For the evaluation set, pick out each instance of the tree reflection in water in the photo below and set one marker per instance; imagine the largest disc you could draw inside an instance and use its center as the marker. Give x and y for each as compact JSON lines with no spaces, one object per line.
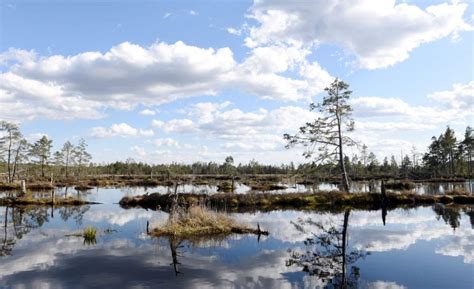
{"x":175,"y":244}
{"x":19,"y":221}
{"x":326,"y":256}
{"x":470,"y":212}
{"x":450,"y":214}
{"x":8,"y":242}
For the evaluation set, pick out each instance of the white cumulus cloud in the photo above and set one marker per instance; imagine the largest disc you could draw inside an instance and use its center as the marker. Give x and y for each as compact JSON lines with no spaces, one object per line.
{"x":379,"y":33}
{"x":148,"y":112}
{"x":83,"y":85}
{"x":460,"y":97}
{"x":120,"y":130}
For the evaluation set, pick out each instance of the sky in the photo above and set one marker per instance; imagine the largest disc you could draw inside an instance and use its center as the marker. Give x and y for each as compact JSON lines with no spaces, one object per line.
{"x":185,"y":81}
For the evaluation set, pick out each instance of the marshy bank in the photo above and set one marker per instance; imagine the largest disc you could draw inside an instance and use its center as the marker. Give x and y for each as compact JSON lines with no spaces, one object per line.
{"x":299,"y":201}
{"x":33,"y":186}
{"x":28,"y":199}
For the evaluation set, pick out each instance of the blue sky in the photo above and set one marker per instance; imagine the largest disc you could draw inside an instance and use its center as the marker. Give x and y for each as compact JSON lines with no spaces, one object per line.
{"x":163,"y":81}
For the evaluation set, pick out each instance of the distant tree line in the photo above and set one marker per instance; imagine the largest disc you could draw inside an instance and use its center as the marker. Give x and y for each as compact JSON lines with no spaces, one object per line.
{"x":18,"y":157}
{"x":131,"y":167}
{"x":448,"y":156}
{"x":445,"y":157}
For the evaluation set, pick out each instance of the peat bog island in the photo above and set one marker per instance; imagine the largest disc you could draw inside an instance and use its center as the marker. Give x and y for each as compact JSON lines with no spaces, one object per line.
{"x":236,"y":144}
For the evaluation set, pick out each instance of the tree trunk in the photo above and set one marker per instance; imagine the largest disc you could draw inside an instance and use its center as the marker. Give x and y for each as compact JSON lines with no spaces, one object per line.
{"x":451,"y":172}
{"x":42,"y":168}
{"x":342,"y":166}
{"x":67,"y":166}
{"x":23,"y":187}
{"x":15,"y":162}
{"x":469,"y":164}
{"x":9,"y":158}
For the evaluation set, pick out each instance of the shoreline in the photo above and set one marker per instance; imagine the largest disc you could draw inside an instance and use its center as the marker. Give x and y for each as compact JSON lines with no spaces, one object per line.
{"x":25,"y":201}
{"x":299,"y":201}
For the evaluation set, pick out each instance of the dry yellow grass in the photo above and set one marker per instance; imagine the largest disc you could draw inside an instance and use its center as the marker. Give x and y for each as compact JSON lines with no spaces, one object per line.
{"x":200,"y":221}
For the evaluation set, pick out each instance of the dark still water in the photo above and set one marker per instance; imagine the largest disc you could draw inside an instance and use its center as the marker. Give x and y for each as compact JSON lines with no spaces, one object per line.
{"x":429,"y":247}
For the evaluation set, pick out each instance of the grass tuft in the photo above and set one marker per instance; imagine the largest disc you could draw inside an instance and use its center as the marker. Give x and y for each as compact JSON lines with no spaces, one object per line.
{"x":198,"y":221}
{"x":89,"y":235}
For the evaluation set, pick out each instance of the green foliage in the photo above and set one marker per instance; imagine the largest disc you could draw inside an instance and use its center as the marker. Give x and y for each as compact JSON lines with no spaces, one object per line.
{"x":13,"y":148}
{"x":325,"y":135}
{"x":81,"y":157}
{"x":448,"y":157}
{"x":41,"y":152}
{"x":406,"y":165}
{"x":229,"y":165}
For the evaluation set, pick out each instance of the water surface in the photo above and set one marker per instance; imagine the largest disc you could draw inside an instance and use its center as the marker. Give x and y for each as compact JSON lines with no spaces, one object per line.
{"x":427,"y":247}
